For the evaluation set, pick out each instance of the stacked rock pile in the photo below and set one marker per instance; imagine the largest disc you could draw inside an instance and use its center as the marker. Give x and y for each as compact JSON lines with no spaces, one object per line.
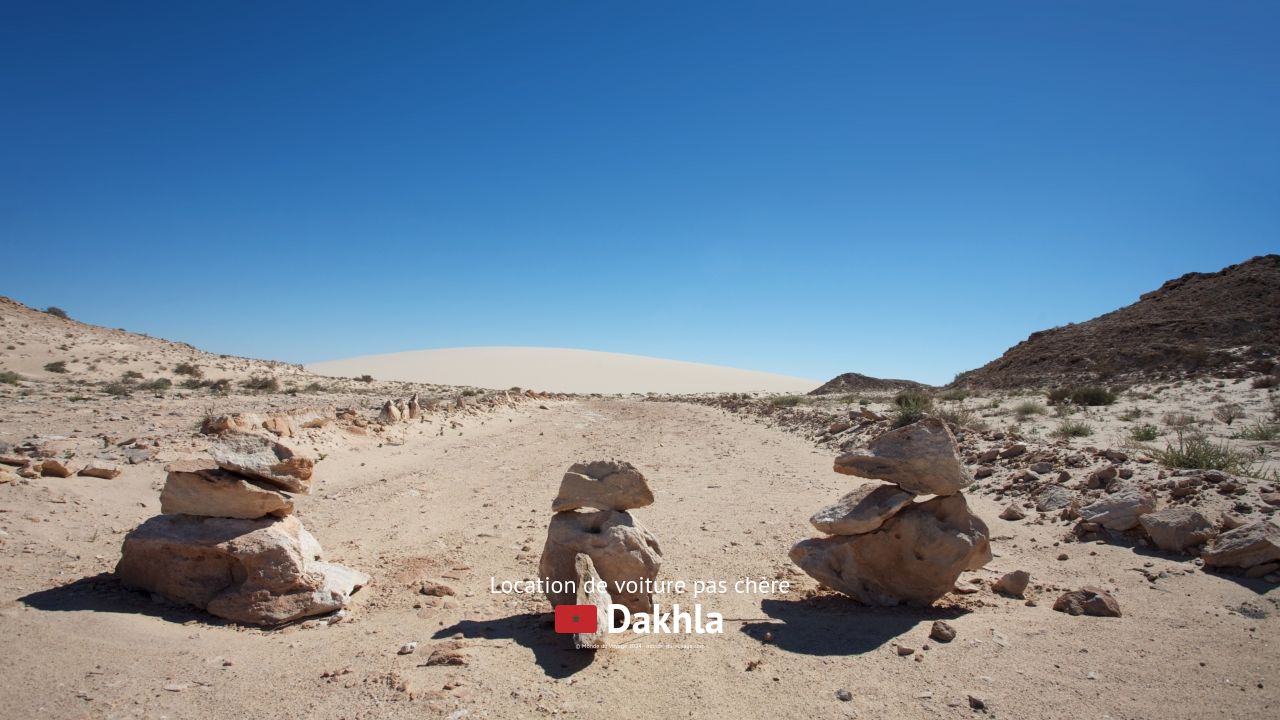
{"x":592,"y":536}
{"x":885,"y":545}
{"x":228,"y":542}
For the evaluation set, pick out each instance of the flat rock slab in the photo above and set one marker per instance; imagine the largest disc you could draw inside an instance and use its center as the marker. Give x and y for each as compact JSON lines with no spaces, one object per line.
{"x":200,"y":487}
{"x":1088,"y":601}
{"x":1177,"y":528}
{"x":258,"y":572}
{"x":1119,"y":511}
{"x":602,"y":485}
{"x":914,"y":558}
{"x":862,"y":510}
{"x":919,"y":458}
{"x":261,"y":457}
{"x":1257,"y":543}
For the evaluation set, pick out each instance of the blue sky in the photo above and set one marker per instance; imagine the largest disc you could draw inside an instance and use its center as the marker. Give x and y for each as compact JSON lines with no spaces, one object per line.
{"x":899,"y":189}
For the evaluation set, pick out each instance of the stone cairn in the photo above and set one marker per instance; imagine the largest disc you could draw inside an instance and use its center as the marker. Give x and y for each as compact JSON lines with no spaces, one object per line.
{"x":228,"y":542}
{"x":593,"y":537}
{"x":885,"y":547}
{"x":400,"y":410}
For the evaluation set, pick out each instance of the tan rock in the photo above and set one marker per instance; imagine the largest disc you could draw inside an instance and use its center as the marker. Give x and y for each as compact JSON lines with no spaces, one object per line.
{"x":415,"y":407}
{"x":919,"y":458}
{"x":200,"y":487}
{"x":914,"y":558}
{"x":1120,"y":510}
{"x":619,"y":547}
{"x":219,"y":424}
{"x":53,"y":467}
{"x":265,"y":459}
{"x":14,"y":460}
{"x":1088,"y":601}
{"x":278,"y":425}
{"x":603,"y":485}
{"x":1175,"y":529}
{"x":590,"y":592}
{"x":390,"y":413}
{"x":1013,"y":583}
{"x":259,"y":572}
{"x":862,"y":510}
{"x":1256,"y":543}
{"x":6,"y":476}
{"x":100,"y":469}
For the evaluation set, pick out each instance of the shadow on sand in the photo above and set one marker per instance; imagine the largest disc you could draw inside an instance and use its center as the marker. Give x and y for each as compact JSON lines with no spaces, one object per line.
{"x":836,"y":625}
{"x":104,"y":593}
{"x":554,"y":653}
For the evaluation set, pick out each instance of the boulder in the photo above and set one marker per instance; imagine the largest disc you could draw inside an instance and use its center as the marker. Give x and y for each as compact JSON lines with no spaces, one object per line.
{"x":1052,"y":497}
{"x":1175,"y":529}
{"x":591,"y":593}
{"x":1255,"y":543}
{"x":259,"y":572}
{"x":862,"y":510}
{"x":603,"y":485}
{"x":919,"y":458}
{"x":390,"y":413}
{"x":278,"y":425}
{"x":914,"y":558}
{"x":200,"y":487}
{"x":1012,"y":512}
{"x":100,"y":469}
{"x":415,"y":407}
{"x":1088,"y":601}
{"x":619,"y":547}
{"x":261,"y":457}
{"x":1119,"y":511}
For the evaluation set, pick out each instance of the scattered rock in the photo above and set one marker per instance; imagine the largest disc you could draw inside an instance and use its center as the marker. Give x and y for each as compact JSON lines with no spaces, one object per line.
{"x":1013,"y":583}
{"x":1012,"y":512}
{"x":942,"y":631}
{"x":1119,"y":511}
{"x":435,"y":589}
{"x":1175,"y":529}
{"x":1244,"y":547}
{"x":100,"y":469}
{"x":447,"y":653}
{"x":1088,"y":601}
{"x":53,"y":467}
{"x":200,"y":487}
{"x":408,"y":648}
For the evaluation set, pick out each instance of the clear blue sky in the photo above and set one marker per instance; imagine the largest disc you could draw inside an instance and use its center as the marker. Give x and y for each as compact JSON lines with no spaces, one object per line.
{"x":899,"y":189}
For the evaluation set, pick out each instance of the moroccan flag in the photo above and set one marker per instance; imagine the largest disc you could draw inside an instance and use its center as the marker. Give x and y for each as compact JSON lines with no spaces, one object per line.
{"x":575,"y":618}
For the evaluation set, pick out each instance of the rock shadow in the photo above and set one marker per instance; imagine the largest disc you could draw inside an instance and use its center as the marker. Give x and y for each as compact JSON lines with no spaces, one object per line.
{"x":836,"y":625}
{"x":104,"y":593}
{"x":554,"y":653}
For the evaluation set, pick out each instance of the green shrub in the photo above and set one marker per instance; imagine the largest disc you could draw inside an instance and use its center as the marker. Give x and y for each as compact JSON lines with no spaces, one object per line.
{"x":157,"y":385}
{"x":188,"y":369}
{"x":786,"y":400}
{"x":1228,"y":413}
{"x":1194,"y":451}
{"x":57,"y":312}
{"x":1072,"y":429}
{"x":1145,"y":432}
{"x":9,"y":377}
{"x":963,"y":417}
{"x":954,"y":394}
{"x":58,"y":366}
{"x":261,"y":383}
{"x":1057,"y":396}
{"x":1092,"y":395}
{"x":911,"y":406}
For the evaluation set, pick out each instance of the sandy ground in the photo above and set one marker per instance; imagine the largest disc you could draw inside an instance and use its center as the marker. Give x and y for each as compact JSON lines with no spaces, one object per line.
{"x":560,"y":370}
{"x":472,"y":504}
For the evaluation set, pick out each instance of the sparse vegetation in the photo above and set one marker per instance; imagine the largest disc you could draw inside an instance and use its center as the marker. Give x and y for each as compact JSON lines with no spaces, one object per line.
{"x":1073,"y":429}
{"x":132,"y":375}
{"x":261,"y":383}
{"x":1058,"y":396}
{"x":911,"y":406}
{"x":118,"y":389}
{"x":954,"y":394}
{"x":1092,"y":395}
{"x":961,"y":416}
{"x":1131,"y":414}
{"x":9,"y":377}
{"x":158,"y":385}
{"x":365,"y":378}
{"x":57,"y":366}
{"x":1027,"y":408}
{"x":1265,"y":382}
{"x":1145,"y":432}
{"x":57,"y":312}
{"x":786,"y":400}
{"x":221,"y":386}
{"x":1179,"y":420}
{"x":188,"y":369}
{"x":1228,"y":413}
{"x":1194,"y":451}
{"x":1260,"y":430}
{"x":315,"y":387}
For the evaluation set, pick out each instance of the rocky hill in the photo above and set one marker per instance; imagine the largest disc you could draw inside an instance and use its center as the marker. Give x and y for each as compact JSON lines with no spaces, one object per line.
{"x":1225,"y":323}
{"x":856,"y":382}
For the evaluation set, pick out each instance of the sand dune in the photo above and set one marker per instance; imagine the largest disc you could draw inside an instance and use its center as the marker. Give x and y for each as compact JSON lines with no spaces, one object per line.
{"x":559,"y":370}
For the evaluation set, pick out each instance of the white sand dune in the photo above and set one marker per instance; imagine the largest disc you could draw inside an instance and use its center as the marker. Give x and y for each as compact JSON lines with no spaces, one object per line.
{"x":559,"y":370}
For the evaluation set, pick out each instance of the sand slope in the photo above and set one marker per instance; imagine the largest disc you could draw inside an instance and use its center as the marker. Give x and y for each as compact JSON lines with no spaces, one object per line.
{"x":559,"y":370}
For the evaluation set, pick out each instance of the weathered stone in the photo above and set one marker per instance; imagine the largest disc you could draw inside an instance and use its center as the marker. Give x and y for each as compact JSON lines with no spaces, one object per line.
{"x":260,"y":572}
{"x":619,"y":547}
{"x":1052,"y":497}
{"x":100,"y":469}
{"x":52,"y":467}
{"x":1248,"y":545}
{"x":1013,"y":583}
{"x":278,"y":425}
{"x":216,"y":425}
{"x":1088,"y":601}
{"x":942,"y":631}
{"x":919,"y":458}
{"x":862,"y":510}
{"x":1175,"y":529}
{"x":603,"y":485}
{"x":415,"y":407}
{"x":261,"y":457}
{"x":390,"y":413}
{"x":915,"y":557}
{"x":200,"y":487}
{"x":590,"y":592}
{"x":1012,"y":512}
{"x":1119,"y":511}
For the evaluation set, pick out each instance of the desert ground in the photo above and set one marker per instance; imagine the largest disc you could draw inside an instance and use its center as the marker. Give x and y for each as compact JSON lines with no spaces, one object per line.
{"x":461,"y":497}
